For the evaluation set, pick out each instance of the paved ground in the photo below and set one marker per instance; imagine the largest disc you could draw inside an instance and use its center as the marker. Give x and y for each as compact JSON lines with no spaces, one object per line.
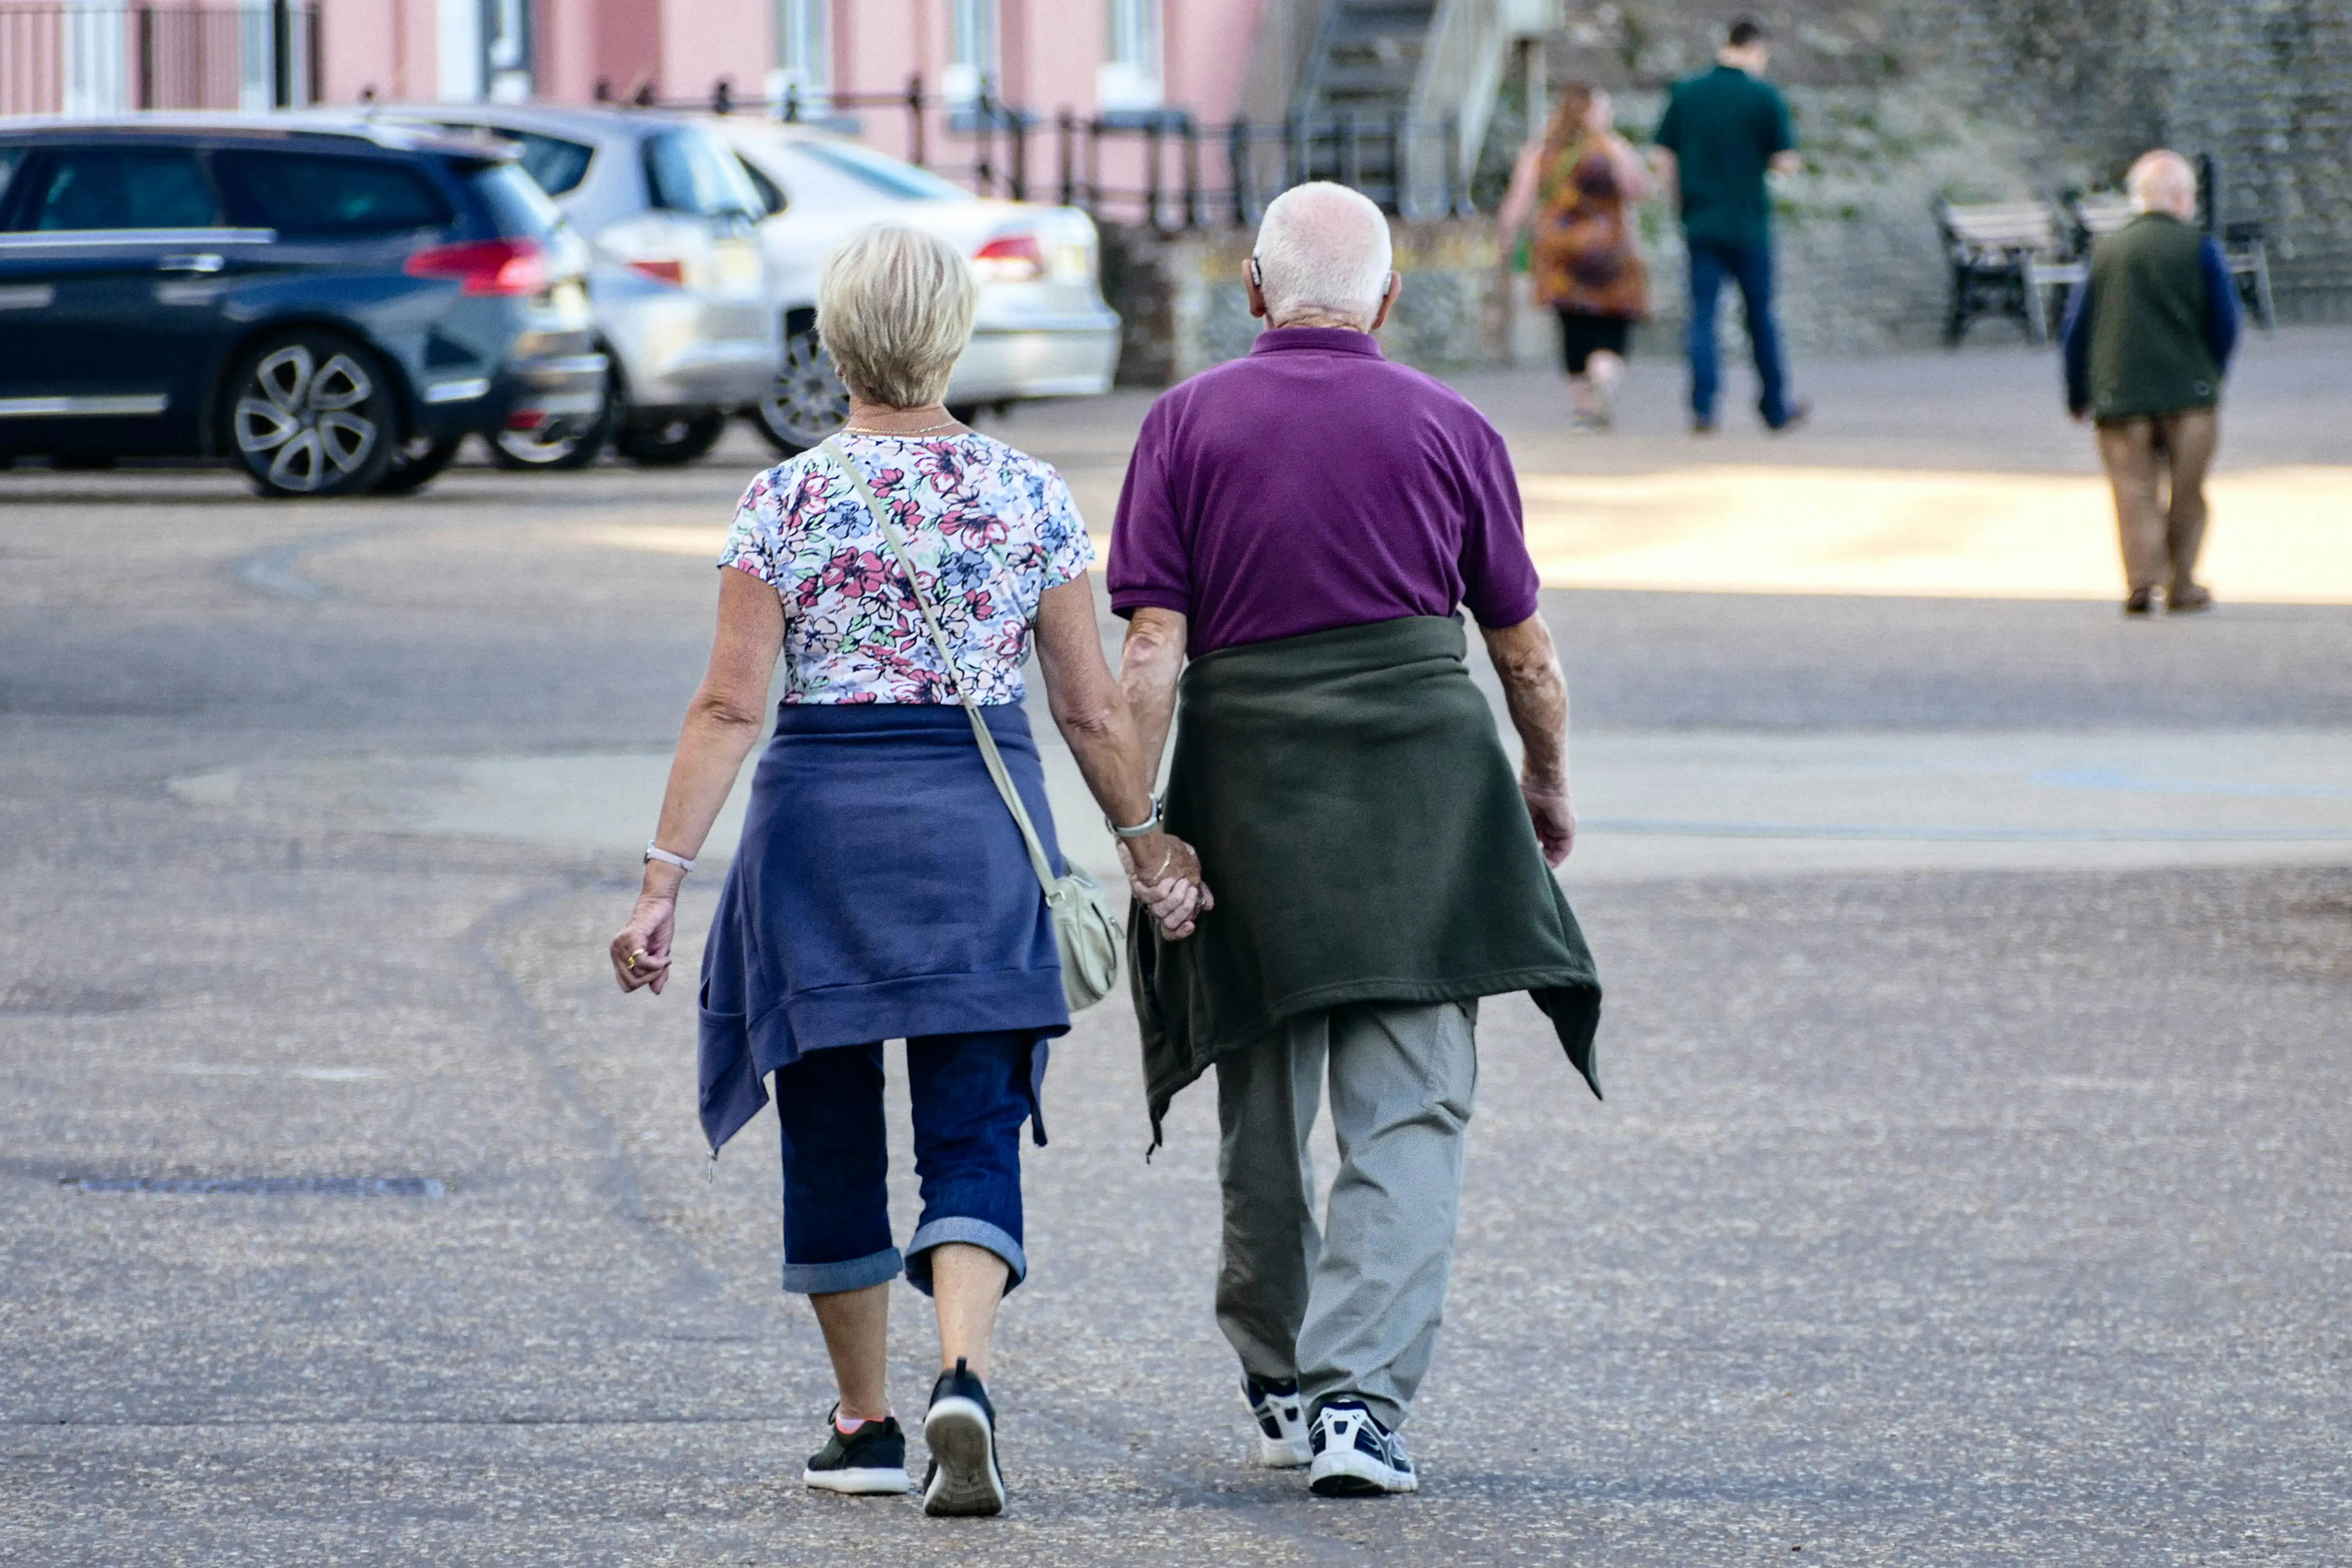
{"x":1945,"y":1210}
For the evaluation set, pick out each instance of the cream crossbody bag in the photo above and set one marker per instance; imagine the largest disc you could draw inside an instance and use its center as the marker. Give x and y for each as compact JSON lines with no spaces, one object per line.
{"x":1084,"y":928}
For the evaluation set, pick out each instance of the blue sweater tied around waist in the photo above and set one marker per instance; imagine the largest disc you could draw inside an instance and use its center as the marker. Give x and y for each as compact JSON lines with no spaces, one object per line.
{"x":881,"y":892}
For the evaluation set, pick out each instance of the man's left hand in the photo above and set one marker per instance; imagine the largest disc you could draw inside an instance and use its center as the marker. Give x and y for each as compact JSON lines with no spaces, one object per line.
{"x":1552,"y":809}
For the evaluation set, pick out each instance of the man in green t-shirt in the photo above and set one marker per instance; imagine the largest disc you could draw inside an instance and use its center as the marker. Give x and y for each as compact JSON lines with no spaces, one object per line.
{"x":1722,"y":131}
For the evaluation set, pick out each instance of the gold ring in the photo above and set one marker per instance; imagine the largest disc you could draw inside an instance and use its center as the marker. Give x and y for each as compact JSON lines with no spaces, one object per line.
{"x":634,"y":957}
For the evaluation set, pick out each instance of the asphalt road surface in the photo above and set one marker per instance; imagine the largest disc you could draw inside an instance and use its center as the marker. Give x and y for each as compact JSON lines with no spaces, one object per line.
{"x":1949,"y":1207}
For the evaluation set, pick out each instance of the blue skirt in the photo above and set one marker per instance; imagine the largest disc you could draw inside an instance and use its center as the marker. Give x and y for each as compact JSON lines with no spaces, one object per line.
{"x":881,"y":892}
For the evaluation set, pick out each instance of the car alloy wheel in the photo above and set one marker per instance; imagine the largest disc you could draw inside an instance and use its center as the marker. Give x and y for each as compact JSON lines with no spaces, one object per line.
{"x":572,"y":442}
{"x":415,"y":463}
{"x":808,"y":402}
{"x":666,"y":440}
{"x":311,"y":417}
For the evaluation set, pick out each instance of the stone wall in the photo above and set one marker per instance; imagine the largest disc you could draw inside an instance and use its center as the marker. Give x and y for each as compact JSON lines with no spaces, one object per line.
{"x":1185,"y":308}
{"x":1897,"y":102}
{"x":2263,"y":86}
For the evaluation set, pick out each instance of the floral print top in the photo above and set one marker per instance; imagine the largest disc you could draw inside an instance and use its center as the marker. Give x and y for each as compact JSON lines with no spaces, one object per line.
{"x":991,"y":530}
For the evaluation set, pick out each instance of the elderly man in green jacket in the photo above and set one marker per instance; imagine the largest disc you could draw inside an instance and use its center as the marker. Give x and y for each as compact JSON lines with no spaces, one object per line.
{"x":1307,"y":523}
{"x":2148,"y":341}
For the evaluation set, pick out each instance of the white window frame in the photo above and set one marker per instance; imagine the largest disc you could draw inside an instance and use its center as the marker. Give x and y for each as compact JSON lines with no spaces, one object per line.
{"x":1129,"y":78}
{"x":96,"y":45}
{"x":973,"y":38}
{"x":803,"y":55}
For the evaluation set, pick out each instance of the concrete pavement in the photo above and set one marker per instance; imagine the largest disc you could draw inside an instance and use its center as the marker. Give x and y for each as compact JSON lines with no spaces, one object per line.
{"x":1944,"y":1210}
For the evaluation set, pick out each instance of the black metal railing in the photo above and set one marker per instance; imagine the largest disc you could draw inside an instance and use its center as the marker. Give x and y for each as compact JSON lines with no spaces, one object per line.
{"x":1161,"y":169}
{"x":91,"y":59}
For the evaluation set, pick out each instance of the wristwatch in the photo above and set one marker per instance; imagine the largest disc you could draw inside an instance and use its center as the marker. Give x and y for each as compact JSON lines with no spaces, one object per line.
{"x":1144,"y":829}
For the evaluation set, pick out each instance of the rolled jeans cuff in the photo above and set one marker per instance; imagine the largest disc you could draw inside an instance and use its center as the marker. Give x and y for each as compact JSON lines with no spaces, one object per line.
{"x":852,"y":1274}
{"x":975,"y":1233}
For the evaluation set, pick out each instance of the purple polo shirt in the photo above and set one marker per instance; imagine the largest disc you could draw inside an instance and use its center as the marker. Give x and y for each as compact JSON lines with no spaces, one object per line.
{"x":1313,"y":485}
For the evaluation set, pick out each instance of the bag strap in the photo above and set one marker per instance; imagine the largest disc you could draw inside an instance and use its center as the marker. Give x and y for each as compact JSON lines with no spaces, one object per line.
{"x":989,"y":753}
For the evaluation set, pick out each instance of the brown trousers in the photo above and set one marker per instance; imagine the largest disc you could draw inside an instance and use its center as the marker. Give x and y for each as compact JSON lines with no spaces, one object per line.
{"x":2161,"y":534}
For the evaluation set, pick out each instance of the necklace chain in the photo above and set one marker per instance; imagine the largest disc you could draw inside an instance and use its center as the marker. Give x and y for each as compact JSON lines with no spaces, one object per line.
{"x":870,"y":430}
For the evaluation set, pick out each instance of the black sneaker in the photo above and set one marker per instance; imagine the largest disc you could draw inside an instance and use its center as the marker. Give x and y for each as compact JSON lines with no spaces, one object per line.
{"x":1355,"y":1456}
{"x":1281,"y":1422}
{"x":868,"y":1462}
{"x":961,"y":1432}
{"x":2142,"y":601}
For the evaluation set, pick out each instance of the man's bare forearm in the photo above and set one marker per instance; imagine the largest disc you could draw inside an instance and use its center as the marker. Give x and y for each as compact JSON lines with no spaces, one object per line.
{"x":1535,"y":691}
{"x":1148,"y":663}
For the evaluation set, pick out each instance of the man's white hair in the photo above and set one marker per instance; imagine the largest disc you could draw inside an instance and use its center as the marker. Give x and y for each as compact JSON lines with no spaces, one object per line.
{"x":2162,"y":180}
{"x":1322,"y":250}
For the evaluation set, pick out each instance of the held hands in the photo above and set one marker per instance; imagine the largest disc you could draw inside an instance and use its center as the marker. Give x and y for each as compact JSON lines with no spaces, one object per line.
{"x":1553,"y":811}
{"x":640,"y":954}
{"x":1164,"y":875}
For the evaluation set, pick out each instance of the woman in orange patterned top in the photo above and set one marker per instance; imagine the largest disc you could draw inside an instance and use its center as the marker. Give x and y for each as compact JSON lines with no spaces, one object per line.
{"x":1578,"y":185}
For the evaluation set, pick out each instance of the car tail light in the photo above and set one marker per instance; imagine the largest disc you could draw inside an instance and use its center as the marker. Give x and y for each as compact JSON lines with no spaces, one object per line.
{"x":486,"y":266}
{"x":664,"y":270}
{"x":1009,"y":258}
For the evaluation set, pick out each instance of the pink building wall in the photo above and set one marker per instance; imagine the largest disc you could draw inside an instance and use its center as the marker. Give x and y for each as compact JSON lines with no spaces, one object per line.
{"x":1050,"y":51}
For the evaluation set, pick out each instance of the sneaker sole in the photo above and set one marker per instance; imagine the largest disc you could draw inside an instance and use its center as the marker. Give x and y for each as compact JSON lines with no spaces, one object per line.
{"x":1351,"y":1474}
{"x":870,"y":1482}
{"x":1276,"y":1455}
{"x":962,"y":1441}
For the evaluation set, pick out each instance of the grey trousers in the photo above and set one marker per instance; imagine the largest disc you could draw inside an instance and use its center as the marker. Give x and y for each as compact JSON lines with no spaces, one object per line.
{"x":1350,"y":1310}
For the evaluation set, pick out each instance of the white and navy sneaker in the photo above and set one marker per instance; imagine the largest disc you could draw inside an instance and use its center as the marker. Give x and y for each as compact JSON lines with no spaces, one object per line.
{"x":868,"y":1462}
{"x":1355,"y":1456}
{"x":1281,"y":1422}
{"x":961,"y":1432}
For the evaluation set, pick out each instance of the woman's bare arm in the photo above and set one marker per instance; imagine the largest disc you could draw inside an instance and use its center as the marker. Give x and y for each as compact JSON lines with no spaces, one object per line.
{"x":1519,"y":200}
{"x":1632,"y":179}
{"x":1092,"y":712}
{"x":722,"y":724}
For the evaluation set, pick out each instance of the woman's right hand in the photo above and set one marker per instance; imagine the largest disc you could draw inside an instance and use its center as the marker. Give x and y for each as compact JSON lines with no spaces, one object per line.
{"x":641,"y":953}
{"x":1164,"y":874}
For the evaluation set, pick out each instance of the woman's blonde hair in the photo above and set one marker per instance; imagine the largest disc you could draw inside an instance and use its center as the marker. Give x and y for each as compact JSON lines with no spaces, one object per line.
{"x":894,"y":309}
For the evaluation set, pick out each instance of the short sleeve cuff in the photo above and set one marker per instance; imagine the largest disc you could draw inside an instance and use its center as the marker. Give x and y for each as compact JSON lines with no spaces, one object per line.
{"x":1069,"y":565}
{"x":751,"y":563}
{"x":1127,"y":601}
{"x":1511,"y":610}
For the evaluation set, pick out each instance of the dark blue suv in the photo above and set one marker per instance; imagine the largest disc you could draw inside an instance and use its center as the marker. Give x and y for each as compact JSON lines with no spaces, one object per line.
{"x":332,"y":308}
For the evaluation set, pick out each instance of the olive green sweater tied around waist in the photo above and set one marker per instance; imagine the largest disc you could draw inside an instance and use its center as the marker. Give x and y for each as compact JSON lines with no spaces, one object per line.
{"x":1362,"y":830}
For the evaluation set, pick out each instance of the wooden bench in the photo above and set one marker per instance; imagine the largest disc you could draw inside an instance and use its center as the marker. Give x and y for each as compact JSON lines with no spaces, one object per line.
{"x":1996,"y":251}
{"x":2101,"y":213}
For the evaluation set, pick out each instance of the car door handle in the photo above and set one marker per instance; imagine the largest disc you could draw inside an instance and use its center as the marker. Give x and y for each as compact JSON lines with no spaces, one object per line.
{"x":201,"y":261}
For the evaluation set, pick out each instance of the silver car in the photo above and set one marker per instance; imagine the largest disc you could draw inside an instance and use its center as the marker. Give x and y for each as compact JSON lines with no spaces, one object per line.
{"x":678,"y":277}
{"x":1042,"y":331}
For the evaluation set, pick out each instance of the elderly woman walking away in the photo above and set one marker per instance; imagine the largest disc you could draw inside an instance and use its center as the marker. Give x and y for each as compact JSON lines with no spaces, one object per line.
{"x":883,"y":889}
{"x":1578,"y":183}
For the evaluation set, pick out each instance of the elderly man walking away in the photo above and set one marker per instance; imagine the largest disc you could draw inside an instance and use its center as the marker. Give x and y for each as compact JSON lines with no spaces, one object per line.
{"x":1306,"y":522}
{"x":1721,"y":132}
{"x":2148,"y":338}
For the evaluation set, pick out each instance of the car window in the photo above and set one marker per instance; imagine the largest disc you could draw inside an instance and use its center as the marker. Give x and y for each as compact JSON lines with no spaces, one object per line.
{"x":328,"y":196}
{"x":121,"y":187}
{"x":9,"y":158}
{"x":517,"y":203}
{"x":687,"y":170}
{"x":771,"y":192}
{"x":881,"y":171}
{"x":555,"y":164}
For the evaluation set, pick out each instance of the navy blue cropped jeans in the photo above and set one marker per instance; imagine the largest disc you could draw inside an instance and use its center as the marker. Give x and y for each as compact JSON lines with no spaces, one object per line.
{"x":970,"y":1094}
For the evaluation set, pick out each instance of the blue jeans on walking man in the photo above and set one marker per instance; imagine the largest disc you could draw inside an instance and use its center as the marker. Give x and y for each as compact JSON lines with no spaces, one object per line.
{"x":1752,"y":271}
